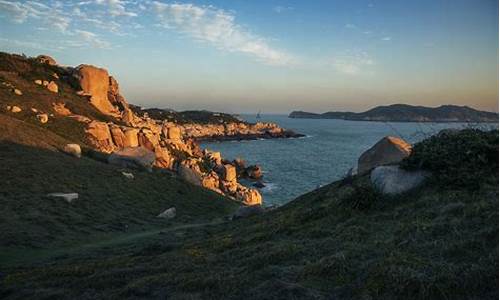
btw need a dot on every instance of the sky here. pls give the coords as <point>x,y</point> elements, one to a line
<point>243,56</point>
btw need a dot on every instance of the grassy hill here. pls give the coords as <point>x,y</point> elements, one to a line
<point>108,203</point>
<point>344,240</point>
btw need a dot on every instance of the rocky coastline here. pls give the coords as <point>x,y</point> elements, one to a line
<point>131,139</point>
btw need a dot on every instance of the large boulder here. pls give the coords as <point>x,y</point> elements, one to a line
<point>131,139</point>
<point>174,133</point>
<point>118,136</point>
<point>249,197</point>
<point>389,150</point>
<point>100,136</point>
<point>95,81</point>
<point>133,157</point>
<point>254,172</point>
<point>163,158</point>
<point>229,172</point>
<point>393,180</point>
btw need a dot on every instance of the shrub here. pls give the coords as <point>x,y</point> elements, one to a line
<point>465,158</point>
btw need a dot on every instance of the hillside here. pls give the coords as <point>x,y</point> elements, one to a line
<point>342,241</point>
<point>407,113</point>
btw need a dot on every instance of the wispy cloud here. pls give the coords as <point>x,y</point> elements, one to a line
<point>117,8</point>
<point>350,26</point>
<point>89,38</point>
<point>353,63</point>
<point>386,38</point>
<point>217,27</point>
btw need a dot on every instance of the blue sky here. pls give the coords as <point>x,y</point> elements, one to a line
<point>275,56</point>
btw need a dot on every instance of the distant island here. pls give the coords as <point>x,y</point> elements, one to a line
<point>407,113</point>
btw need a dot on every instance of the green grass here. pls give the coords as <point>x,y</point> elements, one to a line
<point>438,242</point>
<point>108,203</point>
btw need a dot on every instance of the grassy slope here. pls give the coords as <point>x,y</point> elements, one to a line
<point>109,203</point>
<point>343,240</point>
<point>21,72</point>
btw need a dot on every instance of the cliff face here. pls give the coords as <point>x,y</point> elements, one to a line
<point>109,124</point>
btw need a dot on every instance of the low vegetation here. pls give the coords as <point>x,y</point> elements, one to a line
<point>341,241</point>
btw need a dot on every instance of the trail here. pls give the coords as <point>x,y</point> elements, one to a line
<point>29,256</point>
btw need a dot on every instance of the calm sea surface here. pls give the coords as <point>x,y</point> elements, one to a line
<point>295,166</point>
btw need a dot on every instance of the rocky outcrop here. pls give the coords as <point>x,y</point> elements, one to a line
<point>94,81</point>
<point>45,59</point>
<point>143,142</point>
<point>389,150</point>
<point>100,136</point>
<point>236,131</point>
<point>393,180</point>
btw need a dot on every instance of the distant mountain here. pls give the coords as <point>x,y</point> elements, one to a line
<point>407,113</point>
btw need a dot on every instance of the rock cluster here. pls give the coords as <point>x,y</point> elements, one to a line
<point>146,143</point>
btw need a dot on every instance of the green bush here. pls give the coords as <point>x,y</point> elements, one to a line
<point>465,158</point>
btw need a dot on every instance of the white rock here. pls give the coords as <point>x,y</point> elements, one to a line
<point>393,180</point>
<point>73,149</point>
<point>69,197</point>
<point>168,214</point>
<point>128,175</point>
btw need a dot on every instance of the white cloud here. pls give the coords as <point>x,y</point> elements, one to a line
<point>353,63</point>
<point>217,27</point>
<point>386,38</point>
<point>19,12</point>
<point>350,26</point>
<point>117,8</point>
<point>15,10</point>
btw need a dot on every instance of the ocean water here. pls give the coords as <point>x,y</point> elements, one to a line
<point>293,167</point>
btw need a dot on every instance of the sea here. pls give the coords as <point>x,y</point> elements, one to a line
<point>292,167</point>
